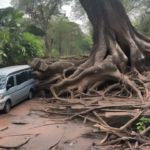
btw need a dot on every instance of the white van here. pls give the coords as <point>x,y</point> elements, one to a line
<point>16,84</point>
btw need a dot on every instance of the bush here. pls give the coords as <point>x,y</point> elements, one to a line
<point>54,52</point>
<point>26,47</point>
<point>31,47</point>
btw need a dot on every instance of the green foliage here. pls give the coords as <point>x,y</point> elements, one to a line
<point>68,39</point>
<point>26,47</point>
<point>14,44</point>
<point>144,24</point>
<point>78,11</point>
<point>132,106</point>
<point>87,43</point>
<point>35,30</point>
<point>138,10</point>
<point>54,52</point>
<point>17,41</point>
<point>41,11</point>
<point>132,5</point>
<point>142,124</point>
<point>32,46</point>
<point>135,24</point>
<point>10,18</point>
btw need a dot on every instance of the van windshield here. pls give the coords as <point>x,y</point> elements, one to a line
<point>2,82</point>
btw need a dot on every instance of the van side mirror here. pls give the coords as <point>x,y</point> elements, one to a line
<point>8,86</point>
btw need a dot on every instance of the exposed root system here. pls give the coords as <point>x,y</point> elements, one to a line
<point>103,79</point>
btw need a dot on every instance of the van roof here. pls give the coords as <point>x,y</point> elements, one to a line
<point>12,69</point>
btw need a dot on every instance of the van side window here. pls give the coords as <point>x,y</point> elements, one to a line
<point>11,81</point>
<point>20,78</point>
<point>30,74</point>
<point>26,76</point>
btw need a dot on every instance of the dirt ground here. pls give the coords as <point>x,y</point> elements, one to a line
<point>43,137</point>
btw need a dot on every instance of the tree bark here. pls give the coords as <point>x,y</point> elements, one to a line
<point>60,46</point>
<point>112,27</point>
<point>47,45</point>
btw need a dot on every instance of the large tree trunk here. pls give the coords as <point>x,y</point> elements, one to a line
<point>114,35</point>
<point>119,54</point>
<point>60,49</point>
<point>47,45</point>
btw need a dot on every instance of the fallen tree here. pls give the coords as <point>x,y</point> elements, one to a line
<point>119,59</point>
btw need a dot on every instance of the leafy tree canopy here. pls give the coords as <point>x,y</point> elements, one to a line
<point>14,43</point>
<point>68,39</point>
<point>41,12</point>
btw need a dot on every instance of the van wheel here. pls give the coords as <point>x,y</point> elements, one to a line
<point>30,95</point>
<point>7,107</point>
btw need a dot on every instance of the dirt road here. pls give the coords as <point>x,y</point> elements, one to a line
<point>43,137</point>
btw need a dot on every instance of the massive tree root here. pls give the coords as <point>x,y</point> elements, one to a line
<point>96,76</point>
<point>87,82</point>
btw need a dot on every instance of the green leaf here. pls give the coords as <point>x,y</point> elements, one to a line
<point>140,131</point>
<point>140,123</point>
<point>138,127</point>
<point>4,54</point>
<point>142,119</point>
<point>143,127</point>
<point>146,121</point>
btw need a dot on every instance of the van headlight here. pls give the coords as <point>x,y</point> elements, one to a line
<point>1,96</point>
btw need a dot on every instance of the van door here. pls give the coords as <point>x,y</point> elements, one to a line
<point>31,81</point>
<point>11,90</point>
<point>26,84</point>
<point>31,78</point>
<point>20,87</point>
